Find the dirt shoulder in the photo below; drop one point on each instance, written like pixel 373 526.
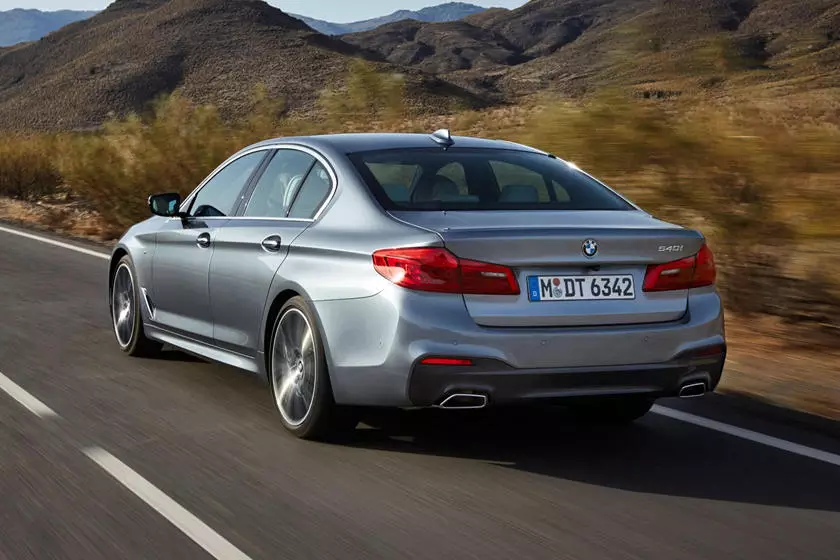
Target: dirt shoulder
pixel 778 364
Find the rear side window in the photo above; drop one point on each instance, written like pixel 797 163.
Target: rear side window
pixel 276 189
pixel 480 179
pixel 312 193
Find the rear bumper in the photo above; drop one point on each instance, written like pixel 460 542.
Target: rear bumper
pixel 374 344
pixel 503 384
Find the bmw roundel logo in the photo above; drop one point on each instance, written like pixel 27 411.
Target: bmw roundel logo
pixel 590 247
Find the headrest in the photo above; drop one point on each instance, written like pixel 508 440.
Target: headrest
pixel 445 188
pixel 519 193
pixel 397 193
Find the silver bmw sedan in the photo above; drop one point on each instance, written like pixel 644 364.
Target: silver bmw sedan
pixel 420 271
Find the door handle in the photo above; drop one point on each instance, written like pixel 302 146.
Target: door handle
pixel 203 240
pixel 272 243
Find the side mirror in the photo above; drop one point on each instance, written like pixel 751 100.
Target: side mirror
pixel 167 205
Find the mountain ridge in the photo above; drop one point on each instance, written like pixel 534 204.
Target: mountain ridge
pixel 22 25
pixel 450 11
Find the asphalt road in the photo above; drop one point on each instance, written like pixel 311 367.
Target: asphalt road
pixel 412 486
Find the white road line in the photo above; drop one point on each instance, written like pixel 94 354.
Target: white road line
pixel 749 435
pixel 61 244
pixel 26 400
pixel 190 525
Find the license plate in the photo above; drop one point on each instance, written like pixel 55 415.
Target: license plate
pixel 581 288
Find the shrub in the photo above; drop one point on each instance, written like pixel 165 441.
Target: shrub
pixel 27 168
pixel 177 144
pixel 367 96
pixel 171 151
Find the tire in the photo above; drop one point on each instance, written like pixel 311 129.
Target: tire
pixel 624 410
pixel 125 299
pixel 299 378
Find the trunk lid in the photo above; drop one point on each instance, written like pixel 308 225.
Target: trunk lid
pixel 546 251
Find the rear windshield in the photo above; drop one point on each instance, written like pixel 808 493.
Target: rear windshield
pixel 480 179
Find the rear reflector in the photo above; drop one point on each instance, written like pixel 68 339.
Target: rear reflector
pixel 446 362
pixel 713 350
pixel 434 269
pixel 684 274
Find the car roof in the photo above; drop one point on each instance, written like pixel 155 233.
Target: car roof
pixel 363 142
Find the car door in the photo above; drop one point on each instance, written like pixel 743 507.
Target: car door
pixel 251 247
pixel 180 298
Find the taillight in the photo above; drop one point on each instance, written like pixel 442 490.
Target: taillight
pixel 431 270
pixel 675 275
pixel 485 278
pixel 691 272
pixel 438 270
pixel 706 272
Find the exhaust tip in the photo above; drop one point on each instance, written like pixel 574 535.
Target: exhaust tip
pixel 692 390
pixel 463 401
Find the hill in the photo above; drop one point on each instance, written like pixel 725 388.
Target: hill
pixel 663 47
pixel 19 25
pixel 211 50
pixel 440 48
pixel 451 11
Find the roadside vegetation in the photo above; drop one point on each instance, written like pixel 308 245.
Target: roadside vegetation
pixel 759 181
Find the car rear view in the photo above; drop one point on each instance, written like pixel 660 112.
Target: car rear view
pixel 567 289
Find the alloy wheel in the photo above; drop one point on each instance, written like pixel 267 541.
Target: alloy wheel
pixel 294 367
pixel 122 305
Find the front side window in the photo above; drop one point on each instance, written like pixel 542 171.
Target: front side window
pixel 480 179
pixel 273 195
pixel 220 195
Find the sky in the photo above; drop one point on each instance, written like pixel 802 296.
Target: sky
pixel 338 11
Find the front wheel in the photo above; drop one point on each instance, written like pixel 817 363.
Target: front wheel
pixel 126 315
pixel 625 410
pixel 300 382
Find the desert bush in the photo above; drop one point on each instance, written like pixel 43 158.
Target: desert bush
pixel 172 150
pixel 727 55
pixel 175 145
pixel 366 96
pixel 27 168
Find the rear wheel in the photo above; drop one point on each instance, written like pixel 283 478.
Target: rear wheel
pixel 625 410
pixel 126 315
pixel 300 382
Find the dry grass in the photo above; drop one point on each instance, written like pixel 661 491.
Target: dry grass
pixel 27 171
pixel 58 216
